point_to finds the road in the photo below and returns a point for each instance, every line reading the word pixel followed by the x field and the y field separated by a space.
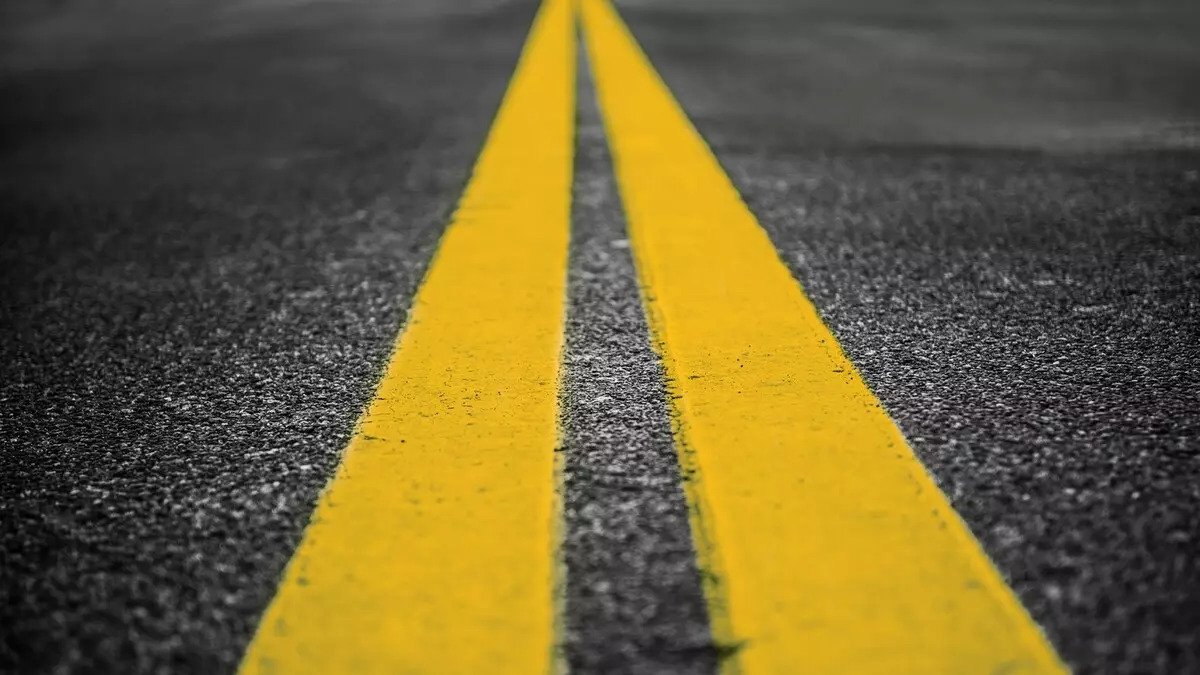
pixel 217 216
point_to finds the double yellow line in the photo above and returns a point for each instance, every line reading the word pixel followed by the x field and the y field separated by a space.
pixel 827 547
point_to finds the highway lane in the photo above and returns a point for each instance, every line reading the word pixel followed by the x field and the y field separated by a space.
pixel 213 224
pixel 215 218
pixel 997 210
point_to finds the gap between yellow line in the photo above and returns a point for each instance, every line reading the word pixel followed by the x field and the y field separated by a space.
pixel 831 549
pixel 432 549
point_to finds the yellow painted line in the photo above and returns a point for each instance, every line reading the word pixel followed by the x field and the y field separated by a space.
pixel 834 551
pixel 432 549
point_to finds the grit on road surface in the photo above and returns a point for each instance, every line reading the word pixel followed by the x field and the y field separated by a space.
pixel 215 215
pixel 212 231
pixel 997 209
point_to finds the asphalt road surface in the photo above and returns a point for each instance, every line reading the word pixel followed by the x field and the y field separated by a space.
pixel 215 216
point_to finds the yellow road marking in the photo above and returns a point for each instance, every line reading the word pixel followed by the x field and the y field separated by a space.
pixel 834 550
pixel 432 549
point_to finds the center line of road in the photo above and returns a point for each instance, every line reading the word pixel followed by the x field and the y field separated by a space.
pixel 432 549
pixel 828 547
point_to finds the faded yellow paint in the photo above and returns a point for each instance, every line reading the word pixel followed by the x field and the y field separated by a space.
pixel 834 551
pixel 432 548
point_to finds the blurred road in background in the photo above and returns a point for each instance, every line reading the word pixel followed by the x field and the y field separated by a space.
pixel 215 216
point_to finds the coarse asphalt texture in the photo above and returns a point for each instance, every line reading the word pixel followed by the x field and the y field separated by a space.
pixel 214 220
pixel 214 216
pixel 996 208
pixel 633 599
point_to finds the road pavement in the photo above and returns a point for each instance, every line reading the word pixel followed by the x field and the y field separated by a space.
pixel 213 227
pixel 215 217
pixel 997 210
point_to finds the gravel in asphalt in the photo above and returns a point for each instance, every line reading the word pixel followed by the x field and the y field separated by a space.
pixel 211 232
pixel 633 598
pixel 214 217
pixel 1023 297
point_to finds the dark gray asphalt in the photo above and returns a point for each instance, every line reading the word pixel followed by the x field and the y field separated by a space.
pixel 213 220
pixel 213 216
pixel 996 206
pixel 633 597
